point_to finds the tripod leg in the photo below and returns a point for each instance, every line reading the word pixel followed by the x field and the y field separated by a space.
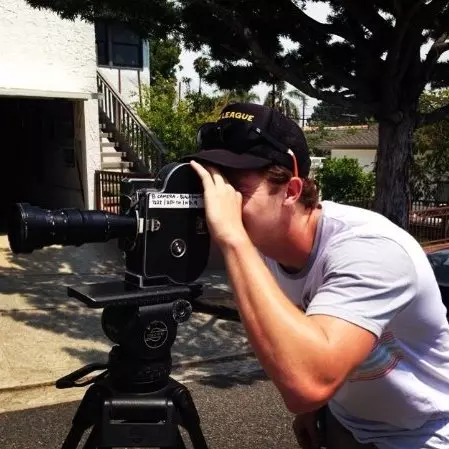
pixel 73 438
pixel 93 440
pixel 179 441
pixel 85 417
pixel 189 415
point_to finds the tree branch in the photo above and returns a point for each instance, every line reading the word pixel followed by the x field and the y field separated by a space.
pixel 299 19
pixel 398 7
pixel 440 75
pixel 269 64
pixel 367 15
pixel 440 46
pixel 434 116
pixel 434 8
pixel 402 26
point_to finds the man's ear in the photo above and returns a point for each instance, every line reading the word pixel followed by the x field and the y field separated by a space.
pixel 293 191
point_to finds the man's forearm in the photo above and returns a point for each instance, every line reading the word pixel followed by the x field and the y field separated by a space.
pixel 292 349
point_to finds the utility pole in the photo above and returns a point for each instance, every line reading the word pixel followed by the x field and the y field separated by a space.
pixel 303 110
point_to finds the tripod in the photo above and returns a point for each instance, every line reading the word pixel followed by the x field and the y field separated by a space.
pixel 134 402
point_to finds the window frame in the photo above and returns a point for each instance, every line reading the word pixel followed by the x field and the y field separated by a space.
pixel 109 41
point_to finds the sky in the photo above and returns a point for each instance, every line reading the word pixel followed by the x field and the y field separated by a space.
pixel 318 11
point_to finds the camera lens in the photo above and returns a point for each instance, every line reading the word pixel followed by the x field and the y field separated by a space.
pixel 30 227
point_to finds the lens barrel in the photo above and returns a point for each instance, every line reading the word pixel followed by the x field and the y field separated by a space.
pixel 30 227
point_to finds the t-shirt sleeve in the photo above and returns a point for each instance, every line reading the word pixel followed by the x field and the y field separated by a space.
pixel 366 281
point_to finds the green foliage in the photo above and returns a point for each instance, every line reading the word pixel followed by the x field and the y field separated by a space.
pixel 201 66
pixel 336 115
pixel 164 57
pixel 431 149
pixel 377 56
pixel 376 53
pixel 240 96
pixel 343 180
pixel 174 122
pixel 372 66
pixel 202 103
pixel 316 138
pixel 282 100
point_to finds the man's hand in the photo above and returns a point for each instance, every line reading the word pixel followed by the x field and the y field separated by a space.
pixel 223 207
pixel 307 433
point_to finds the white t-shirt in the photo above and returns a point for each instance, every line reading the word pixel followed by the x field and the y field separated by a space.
pixel 368 271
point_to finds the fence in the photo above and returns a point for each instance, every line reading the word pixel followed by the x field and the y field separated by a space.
pixel 107 189
pixel 428 220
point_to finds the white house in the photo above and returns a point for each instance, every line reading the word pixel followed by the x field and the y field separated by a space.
pixel 51 106
pixel 361 143
pixel 357 143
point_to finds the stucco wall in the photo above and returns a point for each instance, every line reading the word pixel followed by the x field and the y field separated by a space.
pixel 41 51
pixel 44 54
pixel 87 139
pixel 366 157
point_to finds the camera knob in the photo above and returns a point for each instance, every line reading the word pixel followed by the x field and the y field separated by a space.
pixel 181 311
pixel 178 248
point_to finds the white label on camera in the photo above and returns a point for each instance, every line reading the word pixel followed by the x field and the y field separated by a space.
pixel 175 201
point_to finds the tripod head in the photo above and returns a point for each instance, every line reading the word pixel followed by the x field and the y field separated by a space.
pixel 143 323
pixel 135 402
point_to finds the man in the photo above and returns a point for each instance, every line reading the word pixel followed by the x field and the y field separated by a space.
pixel 340 305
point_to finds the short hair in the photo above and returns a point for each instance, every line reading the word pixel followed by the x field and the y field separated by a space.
pixel 278 176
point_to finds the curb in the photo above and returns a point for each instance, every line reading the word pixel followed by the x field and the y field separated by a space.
pixel 187 364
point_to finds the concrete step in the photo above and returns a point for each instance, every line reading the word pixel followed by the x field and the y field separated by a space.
pixel 117 170
pixel 108 145
pixel 116 165
pixel 110 154
pixel 105 140
pixel 105 135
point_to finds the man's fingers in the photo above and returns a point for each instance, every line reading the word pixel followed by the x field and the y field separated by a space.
pixel 204 174
pixel 209 172
pixel 217 176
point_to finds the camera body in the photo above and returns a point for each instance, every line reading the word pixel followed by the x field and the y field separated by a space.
pixel 171 244
pixel 161 227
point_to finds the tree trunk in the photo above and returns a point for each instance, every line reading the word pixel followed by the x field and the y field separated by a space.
pixel 394 157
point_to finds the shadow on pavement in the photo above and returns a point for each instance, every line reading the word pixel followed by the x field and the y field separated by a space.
pixel 241 417
pixel 33 292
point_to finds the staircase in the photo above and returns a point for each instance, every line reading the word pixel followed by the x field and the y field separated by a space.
pixel 127 144
pixel 112 159
pixel 128 147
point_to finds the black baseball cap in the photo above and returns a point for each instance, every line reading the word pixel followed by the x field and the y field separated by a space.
pixel 252 136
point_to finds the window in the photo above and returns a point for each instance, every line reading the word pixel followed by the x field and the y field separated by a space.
pixel 117 45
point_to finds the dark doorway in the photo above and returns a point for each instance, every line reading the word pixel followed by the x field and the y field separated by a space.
pixel 38 159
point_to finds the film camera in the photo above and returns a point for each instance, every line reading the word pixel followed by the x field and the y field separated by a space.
pixel 161 227
pixel 162 230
